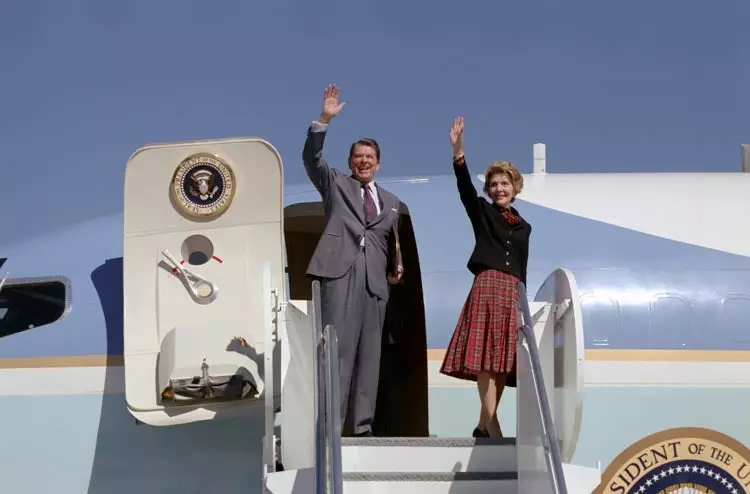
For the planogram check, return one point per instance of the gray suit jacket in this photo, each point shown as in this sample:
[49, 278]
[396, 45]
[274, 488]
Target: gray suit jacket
[342, 200]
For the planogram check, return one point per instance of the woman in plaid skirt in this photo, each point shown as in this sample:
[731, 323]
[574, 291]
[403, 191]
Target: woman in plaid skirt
[483, 346]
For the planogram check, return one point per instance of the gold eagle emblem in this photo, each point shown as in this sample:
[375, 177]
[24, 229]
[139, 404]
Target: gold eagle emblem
[202, 187]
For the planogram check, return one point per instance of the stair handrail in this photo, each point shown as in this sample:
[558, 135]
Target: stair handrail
[328, 478]
[333, 408]
[321, 445]
[549, 435]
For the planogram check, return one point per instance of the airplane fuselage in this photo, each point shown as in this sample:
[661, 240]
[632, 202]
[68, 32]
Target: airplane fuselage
[665, 320]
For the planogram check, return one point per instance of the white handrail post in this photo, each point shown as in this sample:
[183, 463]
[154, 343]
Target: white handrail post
[321, 449]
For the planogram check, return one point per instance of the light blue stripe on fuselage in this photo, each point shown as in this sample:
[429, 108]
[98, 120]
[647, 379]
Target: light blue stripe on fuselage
[604, 258]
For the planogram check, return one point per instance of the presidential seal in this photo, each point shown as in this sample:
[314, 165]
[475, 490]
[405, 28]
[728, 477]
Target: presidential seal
[676, 461]
[202, 186]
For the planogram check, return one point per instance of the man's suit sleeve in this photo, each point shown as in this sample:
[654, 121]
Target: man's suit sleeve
[318, 171]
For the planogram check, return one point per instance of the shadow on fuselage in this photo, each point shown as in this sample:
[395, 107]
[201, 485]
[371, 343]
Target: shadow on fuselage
[212, 456]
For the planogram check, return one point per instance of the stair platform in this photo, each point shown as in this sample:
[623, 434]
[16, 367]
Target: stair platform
[428, 454]
[398, 465]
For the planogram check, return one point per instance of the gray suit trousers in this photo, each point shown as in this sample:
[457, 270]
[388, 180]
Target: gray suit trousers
[357, 316]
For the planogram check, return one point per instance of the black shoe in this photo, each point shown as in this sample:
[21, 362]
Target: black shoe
[480, 433]
[364, 434]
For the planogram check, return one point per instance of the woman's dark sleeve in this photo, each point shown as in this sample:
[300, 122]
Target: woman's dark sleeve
[466, 189]
[525, 258]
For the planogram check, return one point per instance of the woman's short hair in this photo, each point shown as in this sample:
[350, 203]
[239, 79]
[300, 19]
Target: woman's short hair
[509, 170]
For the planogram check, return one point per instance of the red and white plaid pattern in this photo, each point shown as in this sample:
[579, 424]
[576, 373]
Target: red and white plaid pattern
[485, 337]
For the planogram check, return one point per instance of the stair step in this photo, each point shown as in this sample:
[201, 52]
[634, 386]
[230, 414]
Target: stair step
[430, 482]
[427, 455]
[428, 441]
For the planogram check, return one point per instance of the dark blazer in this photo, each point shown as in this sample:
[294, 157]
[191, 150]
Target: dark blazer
[346, 225]
[499, 244]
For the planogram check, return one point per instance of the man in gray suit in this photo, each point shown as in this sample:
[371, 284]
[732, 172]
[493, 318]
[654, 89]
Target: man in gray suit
[356, 258]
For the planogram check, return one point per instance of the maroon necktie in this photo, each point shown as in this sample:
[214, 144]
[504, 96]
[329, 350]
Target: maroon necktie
[370, 211]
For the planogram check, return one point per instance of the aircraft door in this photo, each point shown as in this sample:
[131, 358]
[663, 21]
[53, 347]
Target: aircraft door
[561, 348]
[203, 223]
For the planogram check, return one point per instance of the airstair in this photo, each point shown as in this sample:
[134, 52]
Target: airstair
[210, 333]
[532, 462]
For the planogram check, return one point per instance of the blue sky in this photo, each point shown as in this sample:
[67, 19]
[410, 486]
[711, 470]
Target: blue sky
[608, 86]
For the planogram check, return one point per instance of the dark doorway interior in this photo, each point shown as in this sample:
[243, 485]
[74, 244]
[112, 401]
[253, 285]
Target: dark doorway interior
[402, 409]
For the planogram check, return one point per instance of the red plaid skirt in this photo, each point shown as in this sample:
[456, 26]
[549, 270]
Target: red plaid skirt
[485, 337]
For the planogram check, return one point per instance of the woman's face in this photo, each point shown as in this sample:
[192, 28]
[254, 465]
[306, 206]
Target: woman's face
[501, 189]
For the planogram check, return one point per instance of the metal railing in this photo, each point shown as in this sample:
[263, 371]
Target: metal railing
[328, 478]
[549, 436]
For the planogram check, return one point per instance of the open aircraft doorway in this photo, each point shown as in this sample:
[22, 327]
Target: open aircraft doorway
[402, 409]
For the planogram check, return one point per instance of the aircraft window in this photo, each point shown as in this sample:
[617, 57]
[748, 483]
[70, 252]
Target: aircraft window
[670, 321]
[29, 303]
[734, 311]
[601, 319]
